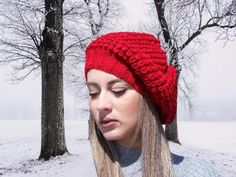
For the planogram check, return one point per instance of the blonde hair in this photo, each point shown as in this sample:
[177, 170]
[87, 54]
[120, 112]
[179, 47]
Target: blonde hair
[156, 158]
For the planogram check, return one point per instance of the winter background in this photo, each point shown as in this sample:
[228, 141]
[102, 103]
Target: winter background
[208, 133]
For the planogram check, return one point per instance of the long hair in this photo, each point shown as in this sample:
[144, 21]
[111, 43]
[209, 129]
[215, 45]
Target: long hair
[156, 158]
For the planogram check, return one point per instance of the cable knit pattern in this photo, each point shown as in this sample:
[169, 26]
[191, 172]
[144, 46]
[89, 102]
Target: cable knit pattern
[138, 59]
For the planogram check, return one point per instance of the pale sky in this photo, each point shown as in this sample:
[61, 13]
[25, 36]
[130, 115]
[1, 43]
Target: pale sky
[216, 98]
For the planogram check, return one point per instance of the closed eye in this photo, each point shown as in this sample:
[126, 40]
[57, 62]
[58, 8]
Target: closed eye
[93, 94]
[119, 92]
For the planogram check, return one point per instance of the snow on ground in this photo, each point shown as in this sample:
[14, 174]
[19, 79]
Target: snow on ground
[20, 148]
[217, 136]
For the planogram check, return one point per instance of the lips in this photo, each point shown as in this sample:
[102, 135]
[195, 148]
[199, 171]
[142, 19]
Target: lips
[108, 123]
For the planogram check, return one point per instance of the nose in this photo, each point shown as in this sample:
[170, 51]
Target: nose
[104, 102]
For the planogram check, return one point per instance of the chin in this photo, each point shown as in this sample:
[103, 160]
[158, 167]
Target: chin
[110, 136]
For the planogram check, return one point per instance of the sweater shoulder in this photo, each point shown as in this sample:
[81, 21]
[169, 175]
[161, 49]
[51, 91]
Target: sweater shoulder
[186, 166]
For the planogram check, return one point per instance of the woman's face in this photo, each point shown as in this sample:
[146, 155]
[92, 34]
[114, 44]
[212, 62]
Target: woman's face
[114, 105]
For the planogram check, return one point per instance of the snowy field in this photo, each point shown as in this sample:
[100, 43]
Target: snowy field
[20, 146]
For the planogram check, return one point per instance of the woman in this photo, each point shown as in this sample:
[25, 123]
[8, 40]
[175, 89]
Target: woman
[133, 91]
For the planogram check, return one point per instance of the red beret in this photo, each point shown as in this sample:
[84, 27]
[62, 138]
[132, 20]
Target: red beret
[138, 59]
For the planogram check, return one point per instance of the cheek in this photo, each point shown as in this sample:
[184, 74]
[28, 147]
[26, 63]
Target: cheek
[92, 107]
[129, 107]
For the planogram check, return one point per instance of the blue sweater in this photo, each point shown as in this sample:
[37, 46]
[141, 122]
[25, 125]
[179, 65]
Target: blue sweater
[130, 160]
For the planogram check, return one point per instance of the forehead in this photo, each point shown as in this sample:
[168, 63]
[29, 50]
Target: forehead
[96, 74]
[101, 77]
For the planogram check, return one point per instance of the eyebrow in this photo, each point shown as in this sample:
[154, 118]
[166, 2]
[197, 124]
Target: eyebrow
[109, 83]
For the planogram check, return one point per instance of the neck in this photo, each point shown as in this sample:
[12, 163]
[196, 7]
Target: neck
[129, 145]
[127, 156]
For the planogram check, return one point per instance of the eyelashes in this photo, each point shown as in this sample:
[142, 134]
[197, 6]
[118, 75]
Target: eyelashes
[116, 92]
[119, 92]
[93, 94]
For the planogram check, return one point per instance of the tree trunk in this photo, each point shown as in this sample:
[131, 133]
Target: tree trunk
[51, 55]
[171, 130]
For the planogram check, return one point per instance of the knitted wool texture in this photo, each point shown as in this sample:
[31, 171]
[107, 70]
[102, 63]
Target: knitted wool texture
[138, 59]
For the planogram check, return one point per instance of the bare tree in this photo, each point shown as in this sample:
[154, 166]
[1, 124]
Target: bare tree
[51, 55]
[34, 39]
[182, 23]
[21, 28]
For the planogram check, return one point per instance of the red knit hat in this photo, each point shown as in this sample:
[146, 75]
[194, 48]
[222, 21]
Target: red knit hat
[138, 59]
